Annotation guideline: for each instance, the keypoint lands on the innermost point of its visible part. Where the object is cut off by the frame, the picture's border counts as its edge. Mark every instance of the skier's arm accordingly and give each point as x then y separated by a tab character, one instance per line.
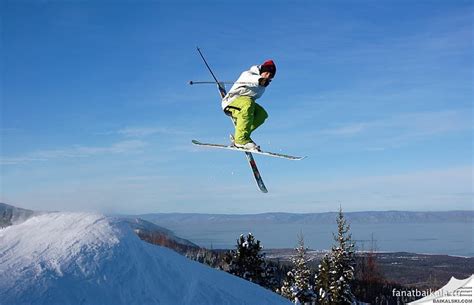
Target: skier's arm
252	80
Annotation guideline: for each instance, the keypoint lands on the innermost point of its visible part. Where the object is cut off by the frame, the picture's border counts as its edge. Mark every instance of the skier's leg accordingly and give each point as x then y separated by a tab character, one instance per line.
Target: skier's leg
260	115
244	118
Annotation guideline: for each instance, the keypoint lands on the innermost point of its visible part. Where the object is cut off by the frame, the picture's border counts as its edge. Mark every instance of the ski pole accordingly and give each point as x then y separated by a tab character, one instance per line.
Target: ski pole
219	85
207	65
191	82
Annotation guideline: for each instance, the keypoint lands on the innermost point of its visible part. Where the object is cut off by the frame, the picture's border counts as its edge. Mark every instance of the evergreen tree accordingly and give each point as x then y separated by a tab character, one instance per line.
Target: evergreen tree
342	264
322	281
288	285
270	278
297	286
246	261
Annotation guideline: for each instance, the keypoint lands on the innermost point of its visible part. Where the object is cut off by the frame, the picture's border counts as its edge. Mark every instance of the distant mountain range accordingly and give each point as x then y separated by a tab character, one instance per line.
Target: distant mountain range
309	218
10	214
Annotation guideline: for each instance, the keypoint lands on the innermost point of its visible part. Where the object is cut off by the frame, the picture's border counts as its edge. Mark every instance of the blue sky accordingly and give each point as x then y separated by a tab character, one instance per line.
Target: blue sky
97	113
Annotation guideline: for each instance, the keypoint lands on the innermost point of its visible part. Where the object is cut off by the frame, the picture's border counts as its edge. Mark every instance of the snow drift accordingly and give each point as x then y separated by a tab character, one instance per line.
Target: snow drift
82	258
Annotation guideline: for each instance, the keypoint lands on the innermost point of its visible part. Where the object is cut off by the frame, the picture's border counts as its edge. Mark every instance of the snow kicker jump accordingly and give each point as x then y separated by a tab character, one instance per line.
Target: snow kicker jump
237	105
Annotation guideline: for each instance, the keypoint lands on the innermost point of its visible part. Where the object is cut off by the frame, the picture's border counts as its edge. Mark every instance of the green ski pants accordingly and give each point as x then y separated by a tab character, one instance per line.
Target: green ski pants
247	116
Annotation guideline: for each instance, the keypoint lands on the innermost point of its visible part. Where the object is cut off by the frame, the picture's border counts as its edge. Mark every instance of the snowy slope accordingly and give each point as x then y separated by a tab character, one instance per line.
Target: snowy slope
82	258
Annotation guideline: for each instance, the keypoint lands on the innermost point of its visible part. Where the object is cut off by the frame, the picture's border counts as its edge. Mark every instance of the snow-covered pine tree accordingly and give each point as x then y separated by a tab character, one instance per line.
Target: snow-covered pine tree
297	287
342	264
322	281
286	289
304	291
270	278
246	261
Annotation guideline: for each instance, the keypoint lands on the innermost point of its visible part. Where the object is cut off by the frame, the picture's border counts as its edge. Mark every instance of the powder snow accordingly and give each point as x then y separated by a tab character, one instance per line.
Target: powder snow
83	258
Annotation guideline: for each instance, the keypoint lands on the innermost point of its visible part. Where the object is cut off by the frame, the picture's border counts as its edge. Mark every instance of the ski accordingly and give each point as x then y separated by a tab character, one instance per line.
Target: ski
265	153
250	159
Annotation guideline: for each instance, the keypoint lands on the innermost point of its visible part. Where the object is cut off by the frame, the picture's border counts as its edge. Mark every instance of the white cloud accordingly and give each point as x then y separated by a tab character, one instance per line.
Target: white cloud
132	143
346	130
400	129
434	189
19	160
139	132
122	147
417	124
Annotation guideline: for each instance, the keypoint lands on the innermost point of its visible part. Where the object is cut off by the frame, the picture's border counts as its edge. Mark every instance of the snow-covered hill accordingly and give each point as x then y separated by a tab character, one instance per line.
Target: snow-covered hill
82	258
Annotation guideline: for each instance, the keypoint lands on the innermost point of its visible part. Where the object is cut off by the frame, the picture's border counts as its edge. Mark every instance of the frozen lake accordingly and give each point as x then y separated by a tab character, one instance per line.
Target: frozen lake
436	238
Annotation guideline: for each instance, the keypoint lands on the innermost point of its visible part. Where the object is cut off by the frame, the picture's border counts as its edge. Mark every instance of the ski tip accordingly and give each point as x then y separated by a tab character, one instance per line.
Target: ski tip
293	158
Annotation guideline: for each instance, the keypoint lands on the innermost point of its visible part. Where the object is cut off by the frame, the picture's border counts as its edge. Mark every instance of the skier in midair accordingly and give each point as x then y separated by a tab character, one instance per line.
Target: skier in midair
239	103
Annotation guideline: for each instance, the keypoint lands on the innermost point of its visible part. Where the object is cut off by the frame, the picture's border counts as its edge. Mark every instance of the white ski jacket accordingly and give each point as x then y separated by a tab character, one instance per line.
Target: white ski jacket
246	85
